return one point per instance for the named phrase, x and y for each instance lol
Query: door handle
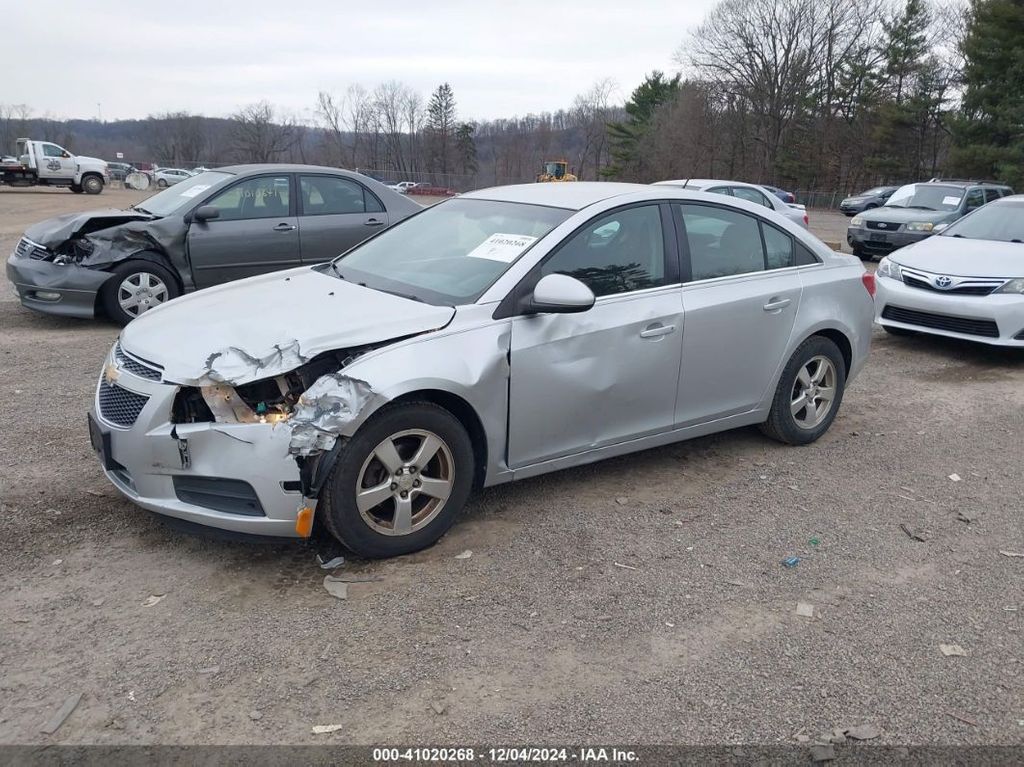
(284, 227)
(656, 331)
(775, 304)
(373, 222)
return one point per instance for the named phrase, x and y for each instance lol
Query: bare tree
(590, 113)
(259, 134)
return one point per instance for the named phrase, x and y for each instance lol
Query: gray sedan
(967, 282)
(503, 334)
(212, 228)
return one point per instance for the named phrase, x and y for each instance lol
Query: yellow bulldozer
(556, 170)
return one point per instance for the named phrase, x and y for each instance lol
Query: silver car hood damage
(289, 318)
(960, 257)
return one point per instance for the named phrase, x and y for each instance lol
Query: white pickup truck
(41, 163)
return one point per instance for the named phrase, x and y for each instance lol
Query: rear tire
(135, 287)
(92, 184)
(809, 393)
(161, 183)
(375, 530)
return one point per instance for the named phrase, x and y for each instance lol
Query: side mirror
(206, 213)
(559, 294)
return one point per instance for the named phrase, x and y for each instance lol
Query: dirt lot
(640, 600)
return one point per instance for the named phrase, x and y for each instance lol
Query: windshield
(926, 197)
(177, 197)
(451, 253)
(873, 192)
(1003, 222)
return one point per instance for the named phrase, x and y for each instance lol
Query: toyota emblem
(943, 282)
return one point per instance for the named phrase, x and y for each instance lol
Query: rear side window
(991, 193)
(332, 195)
(975, 199)
(751, 195)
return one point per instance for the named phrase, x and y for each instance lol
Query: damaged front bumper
(66, 290)
(232, 476)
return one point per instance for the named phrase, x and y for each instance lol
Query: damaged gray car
(214, 227)
(500, 335)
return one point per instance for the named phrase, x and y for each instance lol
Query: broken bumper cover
(66, 290)
(236, 477)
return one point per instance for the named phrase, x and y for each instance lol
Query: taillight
(807, 220)
(868, 278)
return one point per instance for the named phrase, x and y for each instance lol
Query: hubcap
(140, 292)
(405, 482)
(814, 392)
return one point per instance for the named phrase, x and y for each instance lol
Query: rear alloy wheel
(136, 287)
(161, 183)
(809, 393)
(400, 482)
(92, 184)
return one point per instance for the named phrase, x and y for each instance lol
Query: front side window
(52, 150)
(327, 195)
(751, 195)
(451, 253)
(616, 253)
(263, 197)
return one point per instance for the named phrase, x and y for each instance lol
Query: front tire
(92, 184)
(809, 393)
(400, 482)
(136, 287)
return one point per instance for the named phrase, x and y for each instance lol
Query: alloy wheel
(814, 392)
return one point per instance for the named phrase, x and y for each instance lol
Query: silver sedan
(967, 282)
(750, 192)
(503, 334)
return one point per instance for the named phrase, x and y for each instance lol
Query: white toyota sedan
(967, 282)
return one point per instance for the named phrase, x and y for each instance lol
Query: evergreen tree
(441, 126)
(625, 137)
(989, 136)
(465, 147)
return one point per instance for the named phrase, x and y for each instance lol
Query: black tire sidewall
(108, 293)
(92, 185)
(337, 501)
(783, 421)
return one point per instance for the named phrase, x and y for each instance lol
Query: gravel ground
(639, 600)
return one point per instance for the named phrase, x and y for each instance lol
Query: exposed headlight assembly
(856, 221)
(890, 269)
(920, 226)
(1015, 287)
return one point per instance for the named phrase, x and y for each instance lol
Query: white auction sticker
(950, 200)
(502, 247)
(192, 191)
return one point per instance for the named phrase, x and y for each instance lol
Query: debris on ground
(58, 562)
(964, 719)
(464, 555)
(153, 599)
(963, 516)
(805, 610)
(330, 558)
(438, 707)
(952, 649)
(622, 501)
(61, 714)
(823, 752)
(255, 715)
(814, 541)
(323, 729)
(336, 587)
(955, 477)
(1011, 553)
(791, 561)
(914, 535)
(862, 732)
(98, 602)
(625, 567)
(209, 670)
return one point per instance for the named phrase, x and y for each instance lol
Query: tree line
(809, 94)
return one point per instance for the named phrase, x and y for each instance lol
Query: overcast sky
(502, 57)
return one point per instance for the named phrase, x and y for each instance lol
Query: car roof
(703, 182)
(558, 194)
(281, 167)
(958, 182)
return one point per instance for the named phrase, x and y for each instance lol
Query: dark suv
(916, 211)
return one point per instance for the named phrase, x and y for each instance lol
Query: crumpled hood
(959, 257)
(55, 231)
(264, 326)
(906, 215)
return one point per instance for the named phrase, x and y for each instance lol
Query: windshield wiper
(143, 210)
(919, 207)
(334, 267)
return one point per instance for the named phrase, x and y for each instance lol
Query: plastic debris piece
(209, 670)
(153, 599)
(625, 567)
(1011, 553)
(912, 534)
(814, 541)
(863, 732)
(336, 587)
(328, 562)
(805, 610)
(964, 719)
(61, 714)
(438, 707)
(622, 501)
(955, 477)
(323, 729)
(791, 561)
(952, 649)
(464, 555)
(255, 715)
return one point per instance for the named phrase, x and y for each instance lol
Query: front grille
(28, 249)
(232, 496)
(877, 248)
(118, 405)
(965, 287)
(136, 366)
(965, 325)
(884, 226)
